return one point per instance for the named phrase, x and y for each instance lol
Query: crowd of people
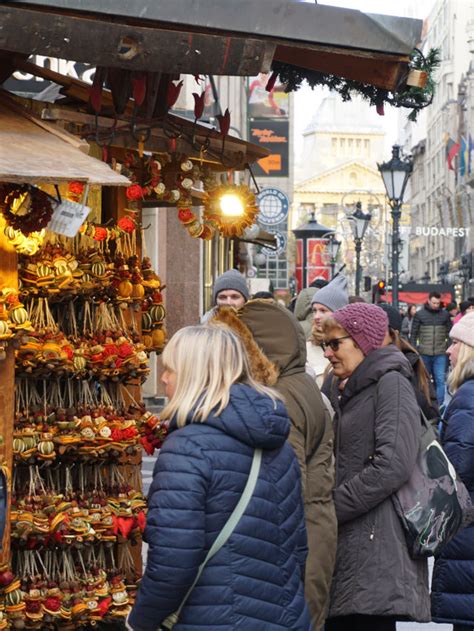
(271, 505)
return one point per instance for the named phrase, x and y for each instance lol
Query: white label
(67, 218)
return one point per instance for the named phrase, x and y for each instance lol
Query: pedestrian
(424, 390)
(465, 307)
(278, 335)
(302, 309)
(377, 428)
(429, 335)
(324, 302)
(452, 592)
(407, 322)
(218, 417)
(230, 288)
(452, 309)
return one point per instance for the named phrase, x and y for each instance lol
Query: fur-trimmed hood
(263, 370)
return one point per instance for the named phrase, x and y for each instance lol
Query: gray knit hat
(232, 279)
(334, 296)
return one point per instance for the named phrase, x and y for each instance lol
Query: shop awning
(37, 152)
(241, 37)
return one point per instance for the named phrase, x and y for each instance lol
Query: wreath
(25, 208)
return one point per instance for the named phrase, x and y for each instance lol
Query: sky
(307, 101)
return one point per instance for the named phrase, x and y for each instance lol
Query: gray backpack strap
(224, 534)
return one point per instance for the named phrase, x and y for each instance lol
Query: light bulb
(231, 205)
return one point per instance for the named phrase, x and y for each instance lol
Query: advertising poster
(317, 257)
(271, 135)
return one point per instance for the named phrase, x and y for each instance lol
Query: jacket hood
(375, 365)
(303, 309)
(278, 333)
(250, 417)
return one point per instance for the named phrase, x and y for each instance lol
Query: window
(358, 146)
(334, 145)
(367, 147)
(350, 144)
(342, 145)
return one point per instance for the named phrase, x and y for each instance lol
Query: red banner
(299, 265)
(317, 256)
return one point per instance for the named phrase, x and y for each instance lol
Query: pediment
(350, 175)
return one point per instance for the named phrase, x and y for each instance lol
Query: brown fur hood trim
(263, 370)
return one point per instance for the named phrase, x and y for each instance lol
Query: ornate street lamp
(395, 175)
(359, 223)
(333, 246)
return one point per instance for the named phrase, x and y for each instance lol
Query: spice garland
(411, 97)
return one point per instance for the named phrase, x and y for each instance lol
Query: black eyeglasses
(334, 344)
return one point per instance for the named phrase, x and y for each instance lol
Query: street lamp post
(333, 250)
(395, 175)
(359, 224)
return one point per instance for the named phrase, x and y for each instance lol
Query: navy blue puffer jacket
(452, 597)
(255, 581)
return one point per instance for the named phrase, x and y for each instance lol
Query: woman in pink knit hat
(452, 592)
(377, 428)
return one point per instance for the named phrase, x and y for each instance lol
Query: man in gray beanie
(230, 289)
(326, 300)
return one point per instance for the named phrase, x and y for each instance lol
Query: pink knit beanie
(366, 324)
(464, 330)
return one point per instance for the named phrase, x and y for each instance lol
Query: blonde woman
(218, 417)
(452, 592)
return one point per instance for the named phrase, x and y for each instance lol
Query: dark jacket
(452, 598)
(255, 580)
(377, 432)
(278, 334)
(429, 406)
(429, 331)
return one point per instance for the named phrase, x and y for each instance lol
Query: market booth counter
(72, 361)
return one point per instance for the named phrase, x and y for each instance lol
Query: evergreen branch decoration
(412, 97)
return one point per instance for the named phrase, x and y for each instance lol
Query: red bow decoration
(172, 93)
(103, 606)
(198, 104)
(224, 122)
(125, 525)
(141, 520)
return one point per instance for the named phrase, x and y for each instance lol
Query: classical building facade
(338, 168)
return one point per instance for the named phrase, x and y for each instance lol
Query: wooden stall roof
(34, 151)
(239, 37)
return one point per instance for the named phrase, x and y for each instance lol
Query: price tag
(67, 218)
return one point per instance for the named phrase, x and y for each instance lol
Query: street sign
(272, 135)
(273, 205)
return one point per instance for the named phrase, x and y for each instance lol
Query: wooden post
(9, 278)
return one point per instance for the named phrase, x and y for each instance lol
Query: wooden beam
(114, 44)
(375, 69)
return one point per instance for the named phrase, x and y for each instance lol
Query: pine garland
(411, 97)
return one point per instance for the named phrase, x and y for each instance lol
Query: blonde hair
(464, 367)
(207, 361)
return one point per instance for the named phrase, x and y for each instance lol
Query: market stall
(73, 355)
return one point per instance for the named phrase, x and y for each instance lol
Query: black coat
(377, 433)
(429, 331)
